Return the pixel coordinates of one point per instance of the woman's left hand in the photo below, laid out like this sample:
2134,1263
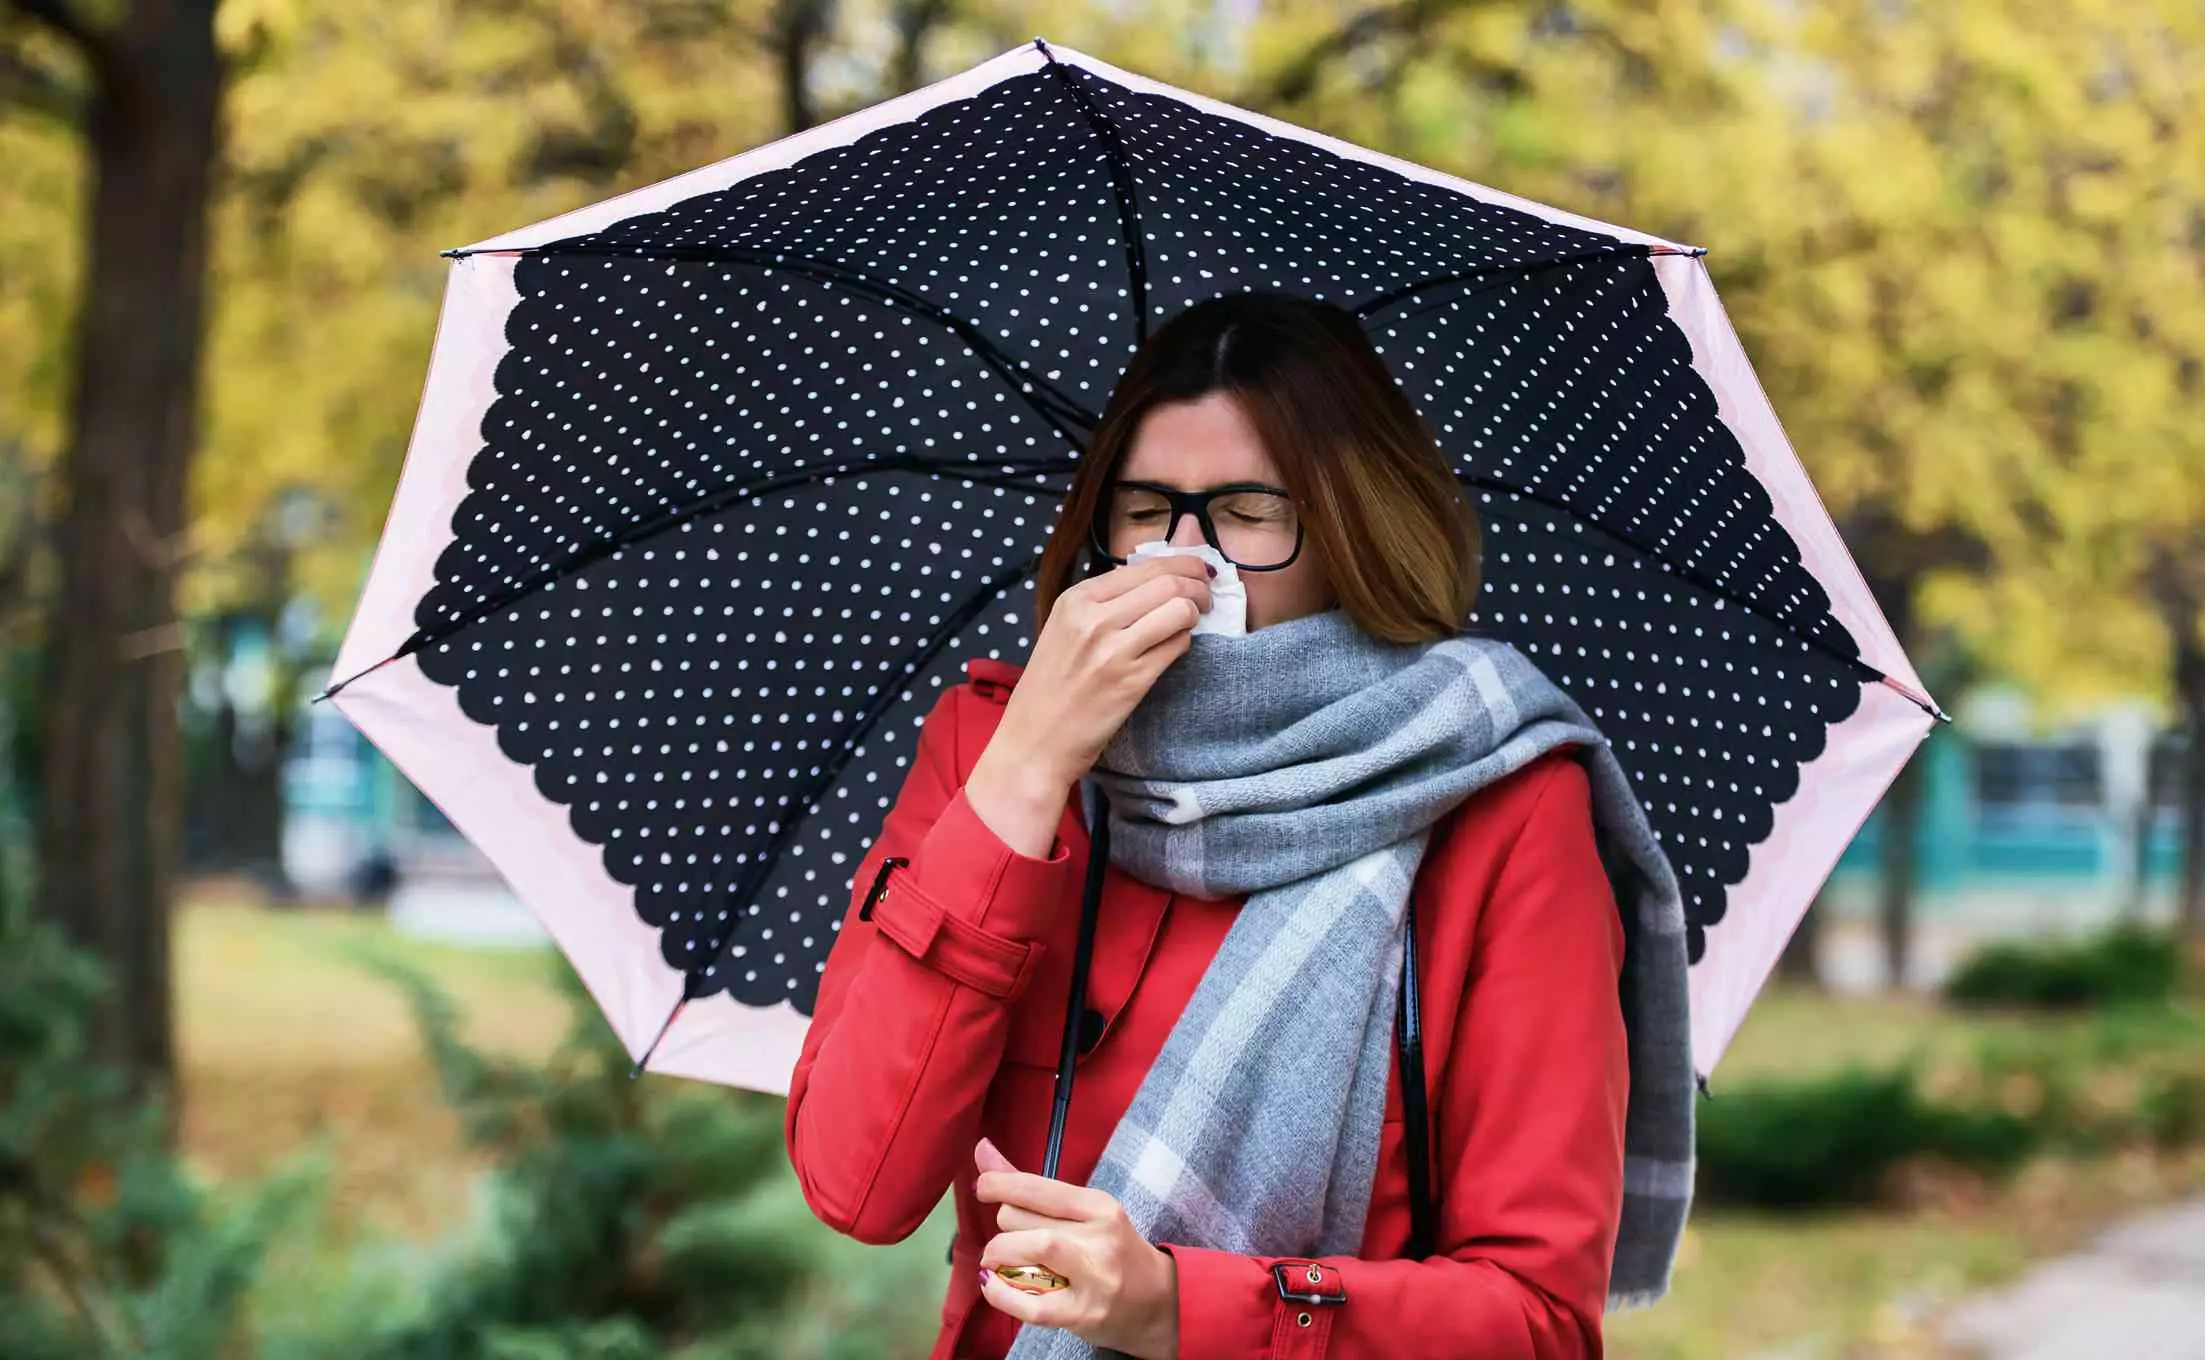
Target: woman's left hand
1124,1292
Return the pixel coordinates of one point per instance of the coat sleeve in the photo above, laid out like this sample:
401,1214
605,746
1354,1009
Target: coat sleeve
1530,1120
912,1010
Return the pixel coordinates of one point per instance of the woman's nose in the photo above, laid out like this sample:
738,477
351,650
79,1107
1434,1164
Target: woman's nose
1188,534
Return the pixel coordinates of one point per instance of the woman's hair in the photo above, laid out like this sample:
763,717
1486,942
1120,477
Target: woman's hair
1377,498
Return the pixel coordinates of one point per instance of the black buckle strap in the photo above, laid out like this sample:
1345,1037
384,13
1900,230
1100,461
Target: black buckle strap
880,885
1289,1274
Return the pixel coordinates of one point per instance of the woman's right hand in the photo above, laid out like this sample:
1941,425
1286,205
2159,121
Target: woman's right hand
1104,644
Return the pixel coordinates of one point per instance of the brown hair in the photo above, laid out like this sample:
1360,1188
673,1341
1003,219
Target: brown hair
1398,538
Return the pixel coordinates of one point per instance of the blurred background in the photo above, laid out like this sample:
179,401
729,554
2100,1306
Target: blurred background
285,1071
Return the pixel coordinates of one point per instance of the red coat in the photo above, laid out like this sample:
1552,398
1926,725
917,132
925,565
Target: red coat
939,1020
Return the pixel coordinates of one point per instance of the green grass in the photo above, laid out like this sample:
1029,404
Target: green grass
287,1040
1867,1283
1797,1033
284,1038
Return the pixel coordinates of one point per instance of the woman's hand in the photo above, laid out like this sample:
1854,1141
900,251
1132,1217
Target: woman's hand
1124,1292
1102,647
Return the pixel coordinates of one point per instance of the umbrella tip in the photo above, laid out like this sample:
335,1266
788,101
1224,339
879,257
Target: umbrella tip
337,687
642,1060
1042,46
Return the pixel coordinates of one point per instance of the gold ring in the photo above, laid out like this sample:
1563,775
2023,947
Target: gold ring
1032,1279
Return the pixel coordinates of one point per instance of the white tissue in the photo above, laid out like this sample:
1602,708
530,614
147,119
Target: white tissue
1228,612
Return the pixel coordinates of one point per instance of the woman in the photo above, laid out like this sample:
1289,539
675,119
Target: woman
930,1059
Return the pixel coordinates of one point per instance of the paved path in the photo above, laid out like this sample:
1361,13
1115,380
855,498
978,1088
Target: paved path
2137,1292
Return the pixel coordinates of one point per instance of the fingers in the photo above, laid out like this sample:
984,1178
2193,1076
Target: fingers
1175,617
988,1157
1051,1247
1143,600
1155,659
1133,575
1011,1218
1042,1195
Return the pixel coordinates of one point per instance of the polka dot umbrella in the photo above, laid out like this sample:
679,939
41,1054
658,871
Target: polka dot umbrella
716,484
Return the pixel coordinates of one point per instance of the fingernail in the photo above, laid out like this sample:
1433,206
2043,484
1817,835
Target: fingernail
1210,569
984,1273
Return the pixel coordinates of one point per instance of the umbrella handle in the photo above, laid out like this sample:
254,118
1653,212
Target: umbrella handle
1098,859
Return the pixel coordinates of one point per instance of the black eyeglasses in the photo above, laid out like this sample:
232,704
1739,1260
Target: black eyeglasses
1253,526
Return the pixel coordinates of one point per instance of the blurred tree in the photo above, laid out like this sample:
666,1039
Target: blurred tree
794,32
141,83
2177,578
239,729
367,139
364,142
2085,176
360,142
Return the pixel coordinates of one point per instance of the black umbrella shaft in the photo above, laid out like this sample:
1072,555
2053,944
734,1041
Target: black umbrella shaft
1098,858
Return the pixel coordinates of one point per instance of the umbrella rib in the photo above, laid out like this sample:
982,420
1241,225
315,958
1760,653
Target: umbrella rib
1713,587
1123,191
988,472
1051,405
1386,301
844,747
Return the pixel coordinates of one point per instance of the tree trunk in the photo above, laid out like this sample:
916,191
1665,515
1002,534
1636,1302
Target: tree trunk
2190,886
1902,810
233,822
1894,562
234,815
2137,899
2174,575
1801,962
914,22
795,32
109,772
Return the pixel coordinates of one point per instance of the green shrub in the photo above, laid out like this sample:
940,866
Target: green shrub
1833,1140
2172,1111
619,1219
2125,964
108,1245
2126,1078
2129,1077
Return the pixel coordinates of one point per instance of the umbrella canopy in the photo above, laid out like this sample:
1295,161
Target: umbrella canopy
716,484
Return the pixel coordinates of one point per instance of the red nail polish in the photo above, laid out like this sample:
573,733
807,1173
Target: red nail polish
984,1273
1210,569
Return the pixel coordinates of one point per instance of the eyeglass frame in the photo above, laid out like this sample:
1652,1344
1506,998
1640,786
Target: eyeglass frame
1196,503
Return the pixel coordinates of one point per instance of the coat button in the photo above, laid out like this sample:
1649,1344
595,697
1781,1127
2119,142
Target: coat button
1091,1028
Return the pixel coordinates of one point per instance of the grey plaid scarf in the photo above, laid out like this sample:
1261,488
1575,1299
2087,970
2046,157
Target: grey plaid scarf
1302,767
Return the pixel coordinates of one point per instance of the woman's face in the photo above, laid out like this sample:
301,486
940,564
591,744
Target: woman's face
1195,445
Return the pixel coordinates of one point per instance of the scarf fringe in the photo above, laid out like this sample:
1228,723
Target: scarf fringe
1638,1298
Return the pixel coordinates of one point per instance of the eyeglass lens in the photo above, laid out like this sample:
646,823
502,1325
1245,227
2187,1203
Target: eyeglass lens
1254,528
